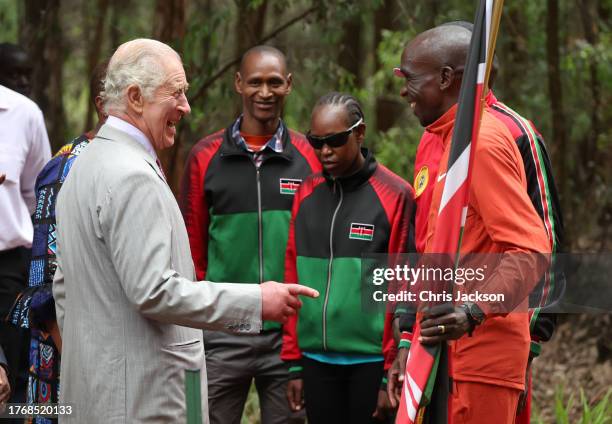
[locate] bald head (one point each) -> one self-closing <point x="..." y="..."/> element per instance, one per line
<point x="261" y="50"/>
<point x="141" y="62"/>
<point x="446" y="45"/>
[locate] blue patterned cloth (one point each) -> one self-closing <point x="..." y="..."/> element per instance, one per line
<point x="35" y="305"/>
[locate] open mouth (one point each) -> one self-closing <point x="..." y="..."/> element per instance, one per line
<point x="171" y="125"/>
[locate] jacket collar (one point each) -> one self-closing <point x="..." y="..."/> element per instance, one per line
<point x="231" y="146"/>
<point x="358" y="178"/>
<point x="110" y="133"/>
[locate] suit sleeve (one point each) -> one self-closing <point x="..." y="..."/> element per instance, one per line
<point x="136" y="224"/>
<point x="290" y="351"/>
<point x="195" y="211"/>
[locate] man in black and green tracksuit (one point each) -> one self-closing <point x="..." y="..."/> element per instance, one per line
<point x="236" y="199"/>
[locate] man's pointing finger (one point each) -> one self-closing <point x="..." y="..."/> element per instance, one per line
<point x="299" y="290"/>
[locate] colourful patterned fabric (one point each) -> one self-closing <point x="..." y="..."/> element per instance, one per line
<point x="35" y="305"/>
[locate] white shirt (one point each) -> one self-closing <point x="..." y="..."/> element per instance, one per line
<point x="126" y="127"/>
<point x="24" y="151"/>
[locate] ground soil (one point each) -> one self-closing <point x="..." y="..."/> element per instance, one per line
<point x="579" y="356"/>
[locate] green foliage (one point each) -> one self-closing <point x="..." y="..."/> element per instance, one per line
<point x="251" y="414"/>
<point x="586" y="412"/>
<point x="9" y="25"/>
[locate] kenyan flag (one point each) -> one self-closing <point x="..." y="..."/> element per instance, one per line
<point x="361" y="231"/>
<point x="289" y="186"/>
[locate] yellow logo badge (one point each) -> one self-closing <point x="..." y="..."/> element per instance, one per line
<point x="421" y="180"/>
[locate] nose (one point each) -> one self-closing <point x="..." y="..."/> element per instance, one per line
<point x="183" y="105"/>
<point x="265" y="91"/>
<point x="326" y="150"/>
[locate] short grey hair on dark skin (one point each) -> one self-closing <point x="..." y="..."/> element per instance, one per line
<point x="445" y="45"/>
<point x="468" y="26"/>
<point x="264" y="49"/>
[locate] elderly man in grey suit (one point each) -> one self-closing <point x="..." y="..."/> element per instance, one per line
<point x="127" y="306"/>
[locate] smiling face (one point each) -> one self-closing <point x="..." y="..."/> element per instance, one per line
<point x="168" y="105"/>
<point x="422" y="85"/>
<point x="337" y="161"/>
<point x="263" y="83"/>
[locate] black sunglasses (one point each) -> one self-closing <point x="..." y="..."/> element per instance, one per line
<point x="334" y="140"/>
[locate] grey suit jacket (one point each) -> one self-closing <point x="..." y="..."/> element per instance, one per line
<point x="124" y="291"/>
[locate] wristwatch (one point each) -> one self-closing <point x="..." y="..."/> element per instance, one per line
<point x="474" y="315"/>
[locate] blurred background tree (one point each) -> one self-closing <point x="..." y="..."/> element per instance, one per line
<point x="555" y="57"/>
<point x="555" y="69"/>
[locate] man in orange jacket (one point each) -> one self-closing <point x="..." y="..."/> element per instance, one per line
<point x="488" y="368"/>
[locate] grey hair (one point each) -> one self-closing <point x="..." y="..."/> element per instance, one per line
<point x="138" y="62"/>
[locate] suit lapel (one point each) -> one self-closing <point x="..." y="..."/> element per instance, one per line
<point x="112" y="134"/>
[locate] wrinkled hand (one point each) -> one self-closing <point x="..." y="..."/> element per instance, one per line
<point x="524" y="395"/>
<point x="5" y="388"/>
<point x="383" y="407"/>
<point x="436" y="329"/>
<point x="395" y="377"/>
<point x="295" y="394"/>
<point x="280" y="301"/>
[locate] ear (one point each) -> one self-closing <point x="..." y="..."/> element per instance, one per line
<point x="238" y="83"/>
<point x="289" y="83"/>
<point x="447" y="75"/>
<point x="134" y="98"/>
<point x="100" y="112"/>
<point x="360" y="133"/>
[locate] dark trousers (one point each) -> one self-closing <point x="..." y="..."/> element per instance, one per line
<point x="232" y="363"/>
<point x="14" y="265"/>
<point x="341" y="393"/>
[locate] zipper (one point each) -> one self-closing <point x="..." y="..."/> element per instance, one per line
<point x="329" y="266"/>
<point x="259" y="224"/>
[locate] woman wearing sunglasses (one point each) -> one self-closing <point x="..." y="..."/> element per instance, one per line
<point x="355" y="206"/>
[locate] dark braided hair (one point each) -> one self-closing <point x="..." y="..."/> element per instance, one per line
<point x="353" y="109"/>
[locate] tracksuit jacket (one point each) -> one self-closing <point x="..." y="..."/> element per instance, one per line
<point x="237" y="214"/>
<point x="540" y="188"/>
<point x="334" y="222"/>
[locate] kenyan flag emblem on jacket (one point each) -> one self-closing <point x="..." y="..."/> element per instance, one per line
<point x="361" y="231"/>
<point x="289" y="185"/>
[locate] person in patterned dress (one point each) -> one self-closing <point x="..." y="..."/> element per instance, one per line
<point x="35" y="307"/>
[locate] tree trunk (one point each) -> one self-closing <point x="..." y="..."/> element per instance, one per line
<point x="556" y="102"/>
<point x="169" y="27"/>
<point x="41" y="35"/>
<point x="351" y="55"/>
<point x="514" y="53"/>
<point x="591" y="33"/>
<point x="387" y="109"/>
<point x="93" y="55"/>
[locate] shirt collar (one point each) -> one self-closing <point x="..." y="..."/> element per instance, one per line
<point x="490" y="98"/>
<point x="126" y="127"/>
<point x="275" y="143"/>
<point x="444" y="124"/>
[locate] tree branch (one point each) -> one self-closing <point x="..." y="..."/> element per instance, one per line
<point x="210" y="81"/>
